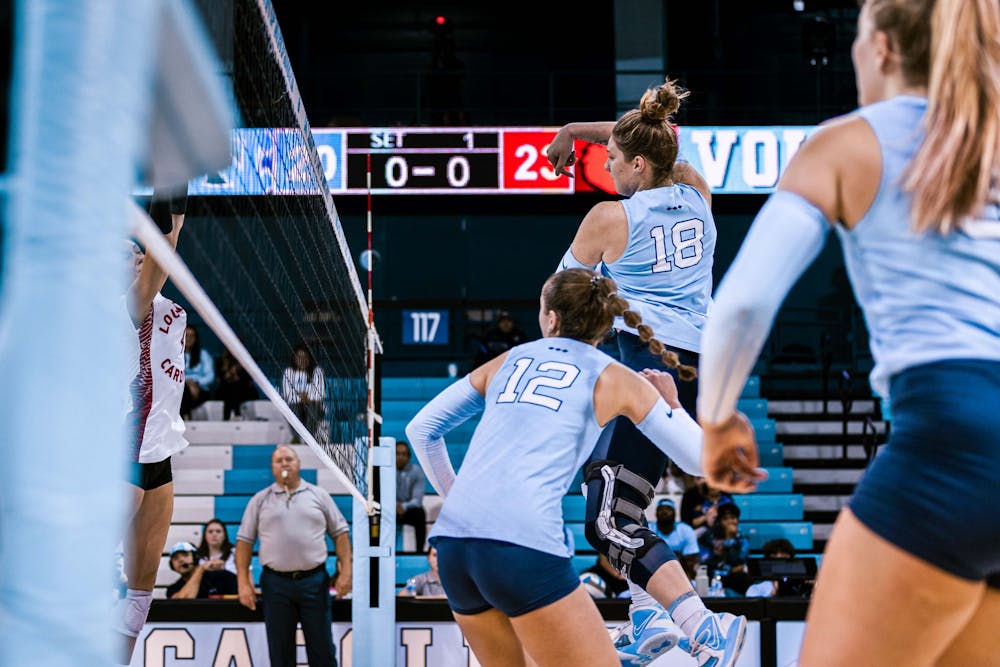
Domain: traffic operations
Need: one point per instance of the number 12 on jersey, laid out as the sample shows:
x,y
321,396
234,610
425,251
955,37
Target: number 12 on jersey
x,y
528,394
686,238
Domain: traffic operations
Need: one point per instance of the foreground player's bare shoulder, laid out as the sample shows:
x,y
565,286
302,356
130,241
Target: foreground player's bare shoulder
x,y
837,169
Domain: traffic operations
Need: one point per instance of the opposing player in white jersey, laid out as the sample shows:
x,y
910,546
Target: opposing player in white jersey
x,y
503,560
658,244
155,428
911,184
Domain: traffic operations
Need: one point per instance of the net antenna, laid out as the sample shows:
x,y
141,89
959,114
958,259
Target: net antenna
x,y
372,339
146,231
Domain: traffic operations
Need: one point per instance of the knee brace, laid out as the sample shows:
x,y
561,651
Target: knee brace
x,y
131,612
618,528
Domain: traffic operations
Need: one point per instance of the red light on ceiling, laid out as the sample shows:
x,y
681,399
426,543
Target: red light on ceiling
x,y
440,20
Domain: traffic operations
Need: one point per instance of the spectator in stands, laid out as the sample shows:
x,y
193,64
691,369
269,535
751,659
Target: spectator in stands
x,y
410,486
779,549
700,504
503,335
614,583
235,385
678,535
728,549
292,518
198,580
428,584
199,372
303,386
215,546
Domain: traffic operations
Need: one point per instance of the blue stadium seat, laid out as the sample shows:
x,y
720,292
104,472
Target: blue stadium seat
x,y
779,480
413,388
410,566
754,408
799,533
580,543
574,507
752,388
772,454
581,563
769,507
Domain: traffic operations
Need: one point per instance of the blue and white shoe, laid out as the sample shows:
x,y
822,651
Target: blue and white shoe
x,y
719,639
649,634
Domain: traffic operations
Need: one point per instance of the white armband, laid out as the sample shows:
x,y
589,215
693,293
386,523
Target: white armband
x,y
676,434
570,262
452,407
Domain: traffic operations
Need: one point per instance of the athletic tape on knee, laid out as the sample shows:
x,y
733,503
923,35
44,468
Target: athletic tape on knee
x,y
131,612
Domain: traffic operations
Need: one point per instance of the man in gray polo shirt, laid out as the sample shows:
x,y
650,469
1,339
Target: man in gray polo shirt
x,y
292,518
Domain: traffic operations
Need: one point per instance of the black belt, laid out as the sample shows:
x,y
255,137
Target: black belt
x,y
296,574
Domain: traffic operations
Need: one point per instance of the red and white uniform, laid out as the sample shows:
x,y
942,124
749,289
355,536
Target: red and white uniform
x,y
158,388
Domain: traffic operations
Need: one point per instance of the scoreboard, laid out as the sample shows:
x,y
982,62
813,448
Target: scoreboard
x,y
441,161
478,161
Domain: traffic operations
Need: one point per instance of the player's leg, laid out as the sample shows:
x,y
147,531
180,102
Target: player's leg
x,y
904,571
576,622
492,638
145,538
663,598
978,642
875,604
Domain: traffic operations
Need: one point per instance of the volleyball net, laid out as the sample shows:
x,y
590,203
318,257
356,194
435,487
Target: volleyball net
x,y
263,258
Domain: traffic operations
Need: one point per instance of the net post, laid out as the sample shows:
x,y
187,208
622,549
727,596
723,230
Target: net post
x,y
373,605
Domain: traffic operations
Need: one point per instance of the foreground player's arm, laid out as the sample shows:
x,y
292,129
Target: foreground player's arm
x,y
169,217
460,402
560,152
787,235
656,413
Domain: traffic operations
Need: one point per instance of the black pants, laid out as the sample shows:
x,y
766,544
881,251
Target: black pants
x,y
287,602
416,517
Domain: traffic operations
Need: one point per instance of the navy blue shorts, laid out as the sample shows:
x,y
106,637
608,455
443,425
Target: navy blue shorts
x,y
933,489
479,575
627,445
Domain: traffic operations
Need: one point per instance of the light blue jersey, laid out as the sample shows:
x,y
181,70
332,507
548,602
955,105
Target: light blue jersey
x,y
537,429
665,272
925,297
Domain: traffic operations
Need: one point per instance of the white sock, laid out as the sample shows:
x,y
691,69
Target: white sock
x,y
687,612
640,598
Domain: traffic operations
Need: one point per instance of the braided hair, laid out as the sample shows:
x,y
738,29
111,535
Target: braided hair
x,y
587,304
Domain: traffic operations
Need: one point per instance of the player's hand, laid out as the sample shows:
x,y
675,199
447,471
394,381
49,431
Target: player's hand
x,y
664,383
729,455
248,596
560,153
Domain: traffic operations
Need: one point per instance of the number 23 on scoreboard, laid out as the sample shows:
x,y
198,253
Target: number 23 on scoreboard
x,y
525,166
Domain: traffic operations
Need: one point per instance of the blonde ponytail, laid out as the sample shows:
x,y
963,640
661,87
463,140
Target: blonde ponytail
x,y
956,165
